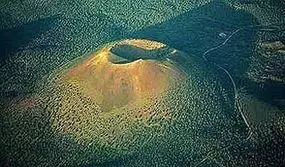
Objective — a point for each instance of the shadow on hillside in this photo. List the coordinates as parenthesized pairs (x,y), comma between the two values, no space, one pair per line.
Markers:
(207,26)
(11,40)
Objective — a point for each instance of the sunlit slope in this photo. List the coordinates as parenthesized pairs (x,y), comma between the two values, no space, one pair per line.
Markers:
(127,83)
(118,106)
(133,73)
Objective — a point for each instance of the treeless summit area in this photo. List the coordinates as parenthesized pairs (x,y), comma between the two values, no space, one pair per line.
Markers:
(125,71)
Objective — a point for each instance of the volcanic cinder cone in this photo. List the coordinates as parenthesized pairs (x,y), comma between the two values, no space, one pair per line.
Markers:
(130,97)
(124,72)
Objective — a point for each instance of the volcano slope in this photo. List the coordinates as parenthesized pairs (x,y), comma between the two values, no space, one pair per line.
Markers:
(131,103)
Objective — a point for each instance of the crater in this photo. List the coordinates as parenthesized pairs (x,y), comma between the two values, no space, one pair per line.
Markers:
(126,53)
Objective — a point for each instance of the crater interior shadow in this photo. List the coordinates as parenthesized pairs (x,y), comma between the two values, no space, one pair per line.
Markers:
(129,53)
